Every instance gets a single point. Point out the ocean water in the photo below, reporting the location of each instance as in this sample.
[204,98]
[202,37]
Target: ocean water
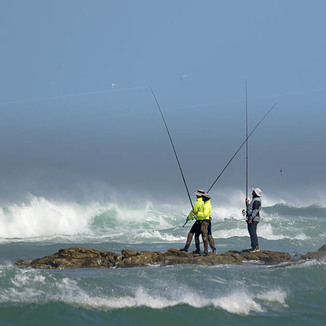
[252,294]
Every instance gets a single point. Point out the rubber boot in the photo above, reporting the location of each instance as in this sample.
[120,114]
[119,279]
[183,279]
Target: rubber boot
[185,249]
[197,243]
[189,238]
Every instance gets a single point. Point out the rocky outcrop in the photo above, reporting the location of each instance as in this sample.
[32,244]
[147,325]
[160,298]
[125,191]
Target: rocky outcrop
[323,248]
[318,255]
[79,257]
[74,258]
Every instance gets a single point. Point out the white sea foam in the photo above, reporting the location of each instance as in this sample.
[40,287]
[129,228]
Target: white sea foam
[157,235]
[229,233]
[144,216]
[35,286]
[41,217]
[276,295]
[309,263]
[238,302]
[24,286]
[265,230]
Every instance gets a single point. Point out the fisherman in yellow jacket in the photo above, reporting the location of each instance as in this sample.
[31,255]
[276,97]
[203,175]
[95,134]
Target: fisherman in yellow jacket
[198,206]
[203,218]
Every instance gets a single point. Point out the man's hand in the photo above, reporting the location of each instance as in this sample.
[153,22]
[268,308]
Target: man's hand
[247,202]
[195,212]
[249,221]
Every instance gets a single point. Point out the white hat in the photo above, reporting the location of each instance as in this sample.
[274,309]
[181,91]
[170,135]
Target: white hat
[257,191]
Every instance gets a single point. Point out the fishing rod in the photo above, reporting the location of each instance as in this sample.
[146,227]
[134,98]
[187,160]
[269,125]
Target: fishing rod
[261,120]
[247,145]
[174,150]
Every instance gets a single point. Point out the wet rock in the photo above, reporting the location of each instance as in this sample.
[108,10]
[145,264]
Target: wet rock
[317,255]
[267,257]
[76,257]
[79,257]
[138,259]
[323,248]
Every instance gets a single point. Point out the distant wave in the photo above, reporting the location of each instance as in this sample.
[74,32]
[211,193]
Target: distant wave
[42,218]
[264,231]
[39,218]
[294,211]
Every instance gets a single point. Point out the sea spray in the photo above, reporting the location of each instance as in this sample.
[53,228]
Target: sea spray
[150,287]
[41,217]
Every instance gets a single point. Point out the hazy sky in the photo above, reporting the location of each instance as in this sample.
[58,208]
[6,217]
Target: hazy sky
[77,113]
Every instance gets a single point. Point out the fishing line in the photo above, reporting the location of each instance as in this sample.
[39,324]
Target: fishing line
[241,100]
[39,99]
[113,90]
[174,150]
[261,120]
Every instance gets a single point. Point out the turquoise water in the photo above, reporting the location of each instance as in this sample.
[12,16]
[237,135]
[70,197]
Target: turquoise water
[252,294]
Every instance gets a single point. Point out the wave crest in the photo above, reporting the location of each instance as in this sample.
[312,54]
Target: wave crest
[39,218]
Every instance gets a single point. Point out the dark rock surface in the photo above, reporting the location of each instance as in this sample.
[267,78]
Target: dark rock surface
[323,248]
[318,255]
[79,257]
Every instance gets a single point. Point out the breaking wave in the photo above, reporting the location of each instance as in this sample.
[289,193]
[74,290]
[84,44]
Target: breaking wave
[294,211]
[40,218]
[37,287]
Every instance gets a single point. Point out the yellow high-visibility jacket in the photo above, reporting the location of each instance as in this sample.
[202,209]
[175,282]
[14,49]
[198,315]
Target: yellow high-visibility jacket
[205,213]
[198,206]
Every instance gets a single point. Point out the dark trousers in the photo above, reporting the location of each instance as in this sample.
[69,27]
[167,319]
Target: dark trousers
[252,229]
[194,230]
[195,227]
[210,228]
[203,230]
[210,237]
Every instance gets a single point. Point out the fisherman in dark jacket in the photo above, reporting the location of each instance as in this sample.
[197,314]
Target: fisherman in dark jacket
[253,217]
